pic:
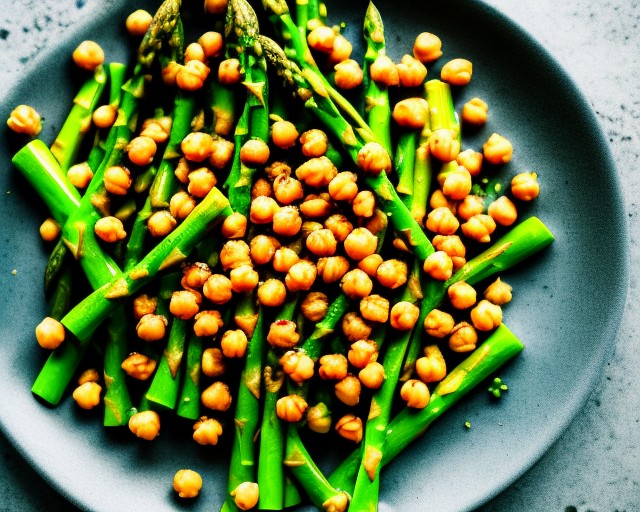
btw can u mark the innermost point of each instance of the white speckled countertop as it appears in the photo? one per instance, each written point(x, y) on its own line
point(595, 465)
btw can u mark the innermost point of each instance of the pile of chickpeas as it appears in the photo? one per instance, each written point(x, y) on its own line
point(313, 230)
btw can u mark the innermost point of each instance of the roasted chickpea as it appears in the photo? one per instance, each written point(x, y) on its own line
point(457, 184)
point(291, 408)
point(213, 364)
point(333, 367)
point(343, 186)
point(184, 304)
point(462, 295)
point(314, 306)
point(362, 352)
point(297, 365)
point(25, 120)
point(201, 181)
point(383, 71)
point(444, 144)
point(207, 323)
point(234, 343)
point(287, 189)
point(161, 223)
point(182, 170)
point(354, 327)
point(356, 284)
point(321, 39)
point(80, 175)
point(471, 205)
point(374, 308)
point(272, 293)
point(373, 159)
point(234, 226)
point(475, 112)
point(197, 146)
point(350, 427)
point(525, 187)
point(207, 431)
point(479, 228)
point(170, 72)
point(453, 246)
point(411, 113)
point(261, 187)
point(143, 305)
point(254, 152)
point(498, 292)
point(229, 72)
point(314, 144)
point(317, 172)
point(348, 74)
point(319, 419)
point(415, 393)
point(442, 221)
point(181, 205)
point(503, 211)
point(283, 334)
point(151, 327)
point(316, 206)
point(221, 153)
point(49, 230)
point(284, 258)
point(141, 150)
point(411, 72)
point(404, 315)
point(110, 229)
point(427, 47)
point(157, 129)
point(301, 276)
point(439, 200)
point(88, 55)
point(457, 72)
point(321, 243)
point(333, 268)
point(372, 376)
point(348, 390)
point(138, 366)
point(438, 323)
point(218, 289)
point(104, 116)
point(217, 397)
point(138, 22)
point(87, 395)
point(364, 204)
point(243, 279)
point(246, 495)
point(284, 134)
point(194, 52)
point(262, 249)
point(263, 210)
point(211, 43)
point(341, 50)
point(463, 338)
point(145, 425)
point(438, 265)
point(392, 273)
point(497, 150)
point(360, 243)
point(432, 366)
point(339, 225)
point(471, 160)
point(215, 6)
point(50, 333)
point(486, 316)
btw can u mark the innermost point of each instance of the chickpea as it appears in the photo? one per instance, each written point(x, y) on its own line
point(287, 189)
point(272, 293)
point(462, 295)
point(319, 418)
point(360, 243)
point(138, 22)
point(283, 334)
point(497, 150)
point(89, 375)
point(404, 315)
point(187, 483)
point(104, 116)
point(438, 323)
point(192, 75)
point(234, 343)
point(50, 333)
point(297, 365)
point(356, 284)
point(341, 50)
point(246, 495)
point(370, 264)
point(411, 72)
point(217, 397)
point(87, 395)
point(207, 431)
point(317, 172)
point(284, 258)
point(457, 72)
point(479, 228)
point(412, 113)
point(229, 72)
point(291, 408)
point(343, 186)
point(144, 305)
point(354, 327)
point(221, 153)
point(470, 206)
point(432, 366)
point(262, 249)
point(364, 204)
point(372, 376)
point(49, 230)
point(261, 187)
point(184, 304)
point(301, 276)
point(207, 323)
point(392, 273)
point(415, 393)
point(161, 223)
point(333, 268)
point(463, 338)
point(374, 308)
point(234, 226)
point(384, 72)
point(444, 144)
point(427, 47)
point(254, 152)
point(503, 211)
point(138, 366)
point(475, 111)
point(316, 206)
point(321, 39)
point(151, 327)
point(181, 205)
point(215, 6)
point(80, 175)
point(439, 266)
point(263, 209)
point(442, 221)
point(439, 200)
point(117, 180)
point(211, 44)
point(314, 306)
point(145, 425)
point(348, 74)
point(201, 181)
point(243, 279)
point(170, 72)
point(110, 229)
point(321, 243)
point(194, 51)
point(348, 390)
point(362, 352)
point(350, 427)
point(525, 187)
point(88, 55)
point(182, 170)
point(471, 160)
point(25, 120)
point(333, 367)
point(486, 316)
point(373, 159)
point(141, 150)
point(339, 225)
point(157, 129)
point(197, 146)
point(498, 292)
point(217, 288)
point(457, 184)
point(284, 134)
point(314, 144)
point(213, 364)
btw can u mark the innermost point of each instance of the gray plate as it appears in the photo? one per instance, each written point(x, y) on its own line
point(566, 309)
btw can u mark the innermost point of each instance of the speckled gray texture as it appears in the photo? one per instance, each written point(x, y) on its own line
point(595, 466)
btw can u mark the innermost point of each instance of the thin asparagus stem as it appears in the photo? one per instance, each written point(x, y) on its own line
point(189, 401)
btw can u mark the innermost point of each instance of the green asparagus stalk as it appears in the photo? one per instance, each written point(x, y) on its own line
point(189, 401)
point(442, 115)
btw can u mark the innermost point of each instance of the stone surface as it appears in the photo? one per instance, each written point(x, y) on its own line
point(594, 466)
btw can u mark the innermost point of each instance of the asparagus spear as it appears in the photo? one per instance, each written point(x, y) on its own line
point(189, 401)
